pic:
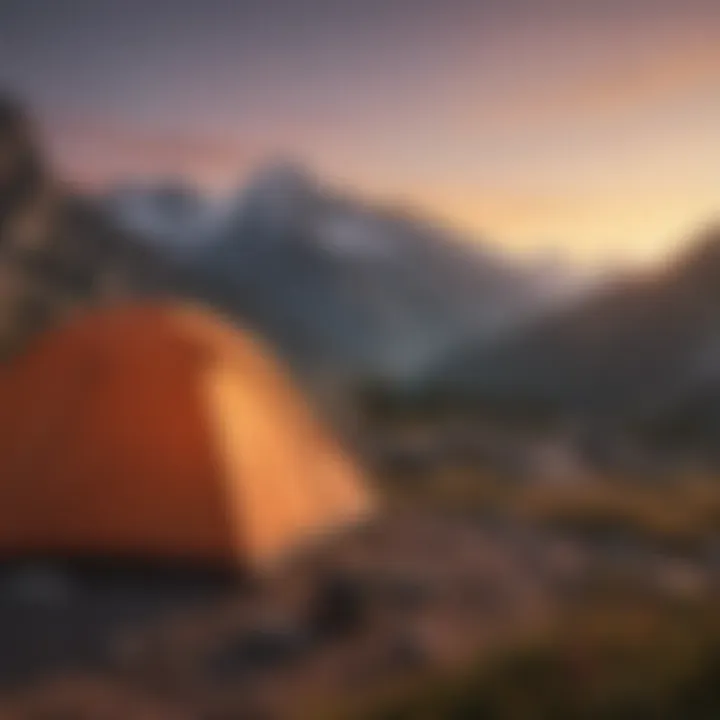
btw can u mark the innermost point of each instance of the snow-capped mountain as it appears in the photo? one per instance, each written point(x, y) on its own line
point(172, 214)
point(341, 286)
point(338, 283)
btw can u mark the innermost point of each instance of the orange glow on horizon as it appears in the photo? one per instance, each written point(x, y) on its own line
point(595, 230)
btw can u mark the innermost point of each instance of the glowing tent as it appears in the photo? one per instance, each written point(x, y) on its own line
point(158, 431)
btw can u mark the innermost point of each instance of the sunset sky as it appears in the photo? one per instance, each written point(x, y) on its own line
point(584, 127)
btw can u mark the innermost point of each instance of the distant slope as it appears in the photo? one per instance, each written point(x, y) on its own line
point(620, 351)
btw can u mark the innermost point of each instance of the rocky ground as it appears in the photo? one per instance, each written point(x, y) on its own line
point(415, 594)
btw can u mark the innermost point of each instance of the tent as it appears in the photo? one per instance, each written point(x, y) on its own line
point(158, 431)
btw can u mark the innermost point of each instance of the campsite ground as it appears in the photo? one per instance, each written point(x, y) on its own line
point(463, 578)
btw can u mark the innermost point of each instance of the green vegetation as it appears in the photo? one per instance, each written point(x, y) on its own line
point(616, 659)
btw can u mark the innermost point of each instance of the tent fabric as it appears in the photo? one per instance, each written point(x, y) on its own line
point(162, 432)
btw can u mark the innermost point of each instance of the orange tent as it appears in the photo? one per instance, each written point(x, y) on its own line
point(160, 432)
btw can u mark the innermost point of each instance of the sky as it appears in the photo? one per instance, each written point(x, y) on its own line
point(583, 128)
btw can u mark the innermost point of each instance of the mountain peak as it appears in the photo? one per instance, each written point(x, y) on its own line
point(280, 180)
point(279, 197)
point(172, 211)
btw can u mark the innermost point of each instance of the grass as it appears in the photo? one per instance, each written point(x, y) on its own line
point(615, 659)
point(617, 652)
point(682, 516)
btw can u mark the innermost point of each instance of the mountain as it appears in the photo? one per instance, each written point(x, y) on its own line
point(623, 351)
point(345, 287)
point(59, 252)
point(171, 214)
point(689, 421)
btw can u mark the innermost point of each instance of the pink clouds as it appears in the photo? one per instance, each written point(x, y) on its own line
point(96, 152)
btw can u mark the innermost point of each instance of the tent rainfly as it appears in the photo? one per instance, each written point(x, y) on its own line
point(159, 432)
